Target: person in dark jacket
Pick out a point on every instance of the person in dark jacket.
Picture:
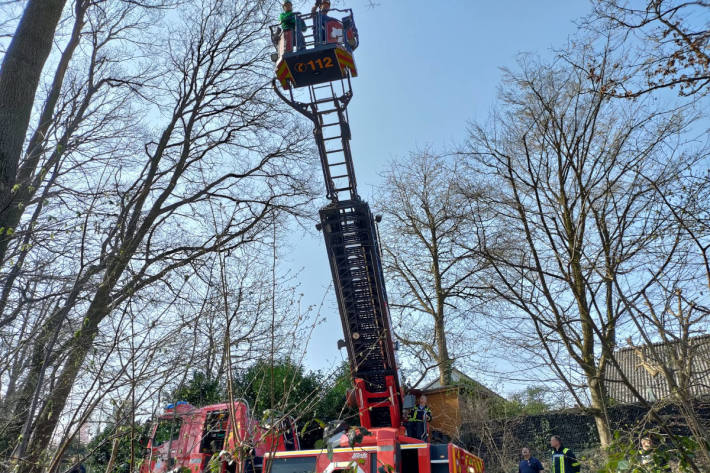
(563, 458)
(320, 18)
(419, 416)
(529, 464)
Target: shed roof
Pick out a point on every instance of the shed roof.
(460, 379)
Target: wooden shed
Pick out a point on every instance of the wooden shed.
(452, 405)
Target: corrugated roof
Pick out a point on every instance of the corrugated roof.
(642, 366)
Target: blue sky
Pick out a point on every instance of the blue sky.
(426, 69)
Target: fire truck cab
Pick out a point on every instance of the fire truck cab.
(186, 438)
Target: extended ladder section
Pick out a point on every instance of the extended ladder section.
(327, 109)
(332, 134)
(353, 252)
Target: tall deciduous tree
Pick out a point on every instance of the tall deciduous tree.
(432, 269)
(573, 167)
(20, 74)
(165, 151)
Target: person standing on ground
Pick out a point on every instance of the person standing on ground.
(419, 416)
(563, 458)
(529, 464)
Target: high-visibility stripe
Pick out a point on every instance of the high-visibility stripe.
(562, 459)
(558, 458)
(409, 446)
(344, 57)
(345, 61)
(283, 74)
(300, 453)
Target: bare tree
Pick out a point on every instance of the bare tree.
(434, 274)
(671, 38)
(671, 315)
(163, 150)
(572, 166)
(19, 77)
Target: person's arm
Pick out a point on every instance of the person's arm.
(539, 465)
(573, 461)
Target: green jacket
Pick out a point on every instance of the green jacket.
(288, 21)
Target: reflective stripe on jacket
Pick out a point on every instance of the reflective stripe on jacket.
(419, 414)
(564, 461)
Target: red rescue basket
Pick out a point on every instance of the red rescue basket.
(318, 49)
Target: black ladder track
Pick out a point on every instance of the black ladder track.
(353, 252)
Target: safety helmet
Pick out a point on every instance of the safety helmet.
(287, 2)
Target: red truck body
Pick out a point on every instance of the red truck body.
(386, 450)
(186, 438)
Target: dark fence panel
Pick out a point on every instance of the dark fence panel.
(499, 441)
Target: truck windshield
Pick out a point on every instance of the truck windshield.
(168, 429)
(293, 465)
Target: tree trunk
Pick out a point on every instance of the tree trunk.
(19, 78)
(83, 342)
(445, 363)
(599, 412)
(114, 452)
(28, 401)
(696, 429)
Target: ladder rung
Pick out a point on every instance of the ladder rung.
(338, 177)
(333, 151)
(331, 99)
(341, 189)
(336, 164)
(321, 86)
(330, 110)
(332, 138)
(330, 124)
